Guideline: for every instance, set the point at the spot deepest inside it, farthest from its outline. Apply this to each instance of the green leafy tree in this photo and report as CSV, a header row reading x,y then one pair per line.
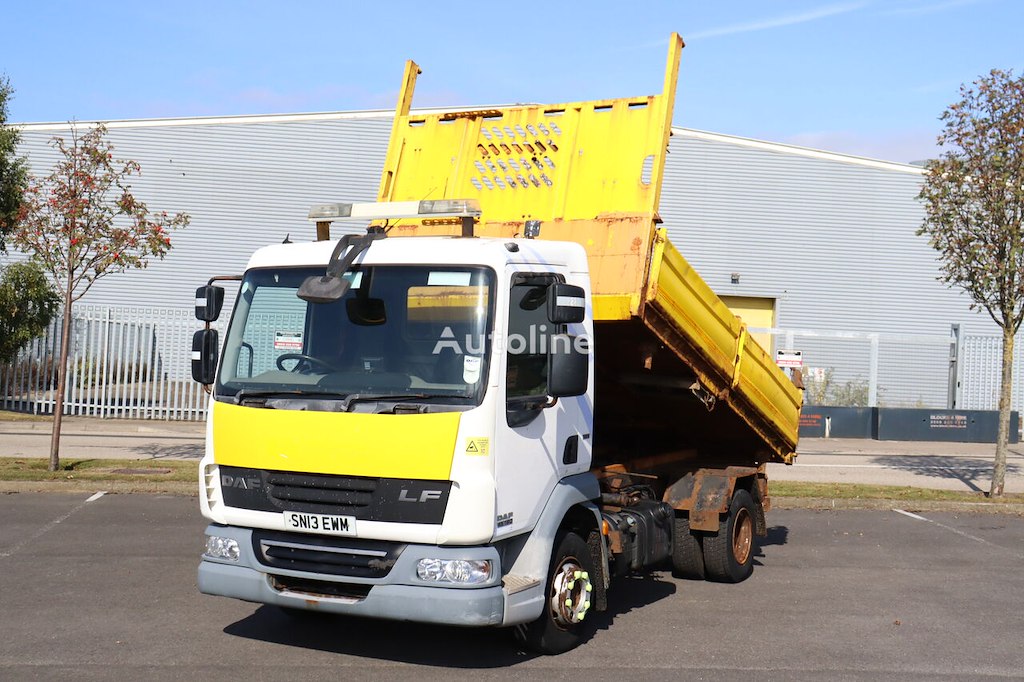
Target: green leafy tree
x,y
974,215
27,306
81,223
27,301
12,168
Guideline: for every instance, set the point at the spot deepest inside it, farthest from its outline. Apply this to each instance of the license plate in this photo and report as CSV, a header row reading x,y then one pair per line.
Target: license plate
x,y
320,523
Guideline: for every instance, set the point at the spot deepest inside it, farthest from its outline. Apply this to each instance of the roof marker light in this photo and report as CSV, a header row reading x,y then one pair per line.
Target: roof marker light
x,y
394,210
321,212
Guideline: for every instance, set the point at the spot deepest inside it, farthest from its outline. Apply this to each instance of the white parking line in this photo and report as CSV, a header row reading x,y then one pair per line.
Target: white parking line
x,y
97,496
913,516
958,532
48,527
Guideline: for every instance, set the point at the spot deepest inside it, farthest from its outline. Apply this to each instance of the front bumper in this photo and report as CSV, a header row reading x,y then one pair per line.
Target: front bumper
x,y
400,595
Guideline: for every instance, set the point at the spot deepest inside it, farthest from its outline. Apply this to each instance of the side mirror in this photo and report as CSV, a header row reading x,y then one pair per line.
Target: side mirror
x,y
209,301
566,303
323,288
205,343
568,366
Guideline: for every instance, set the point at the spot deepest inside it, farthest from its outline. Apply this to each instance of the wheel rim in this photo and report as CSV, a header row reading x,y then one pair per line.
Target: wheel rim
x,y
742,536
570,593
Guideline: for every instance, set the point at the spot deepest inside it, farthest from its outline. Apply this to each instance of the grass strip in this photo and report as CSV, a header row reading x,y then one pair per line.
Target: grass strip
x,y
858,491
100,470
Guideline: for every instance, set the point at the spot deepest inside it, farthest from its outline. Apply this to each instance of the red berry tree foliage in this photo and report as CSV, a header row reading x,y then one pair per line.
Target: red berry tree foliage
x,y
81,223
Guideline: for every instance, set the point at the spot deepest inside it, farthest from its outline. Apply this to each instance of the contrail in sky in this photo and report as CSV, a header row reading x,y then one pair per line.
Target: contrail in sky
x,y
778,22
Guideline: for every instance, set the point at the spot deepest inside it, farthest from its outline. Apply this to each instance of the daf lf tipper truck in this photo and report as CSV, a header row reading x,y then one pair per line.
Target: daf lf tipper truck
x,y
509,390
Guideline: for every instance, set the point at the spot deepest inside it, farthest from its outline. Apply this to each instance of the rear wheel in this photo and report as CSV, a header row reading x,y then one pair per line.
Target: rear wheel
x,y
570,589
687,554
729,553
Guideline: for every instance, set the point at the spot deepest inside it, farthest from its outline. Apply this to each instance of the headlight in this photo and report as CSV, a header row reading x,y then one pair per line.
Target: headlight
x,y
221,548
464,571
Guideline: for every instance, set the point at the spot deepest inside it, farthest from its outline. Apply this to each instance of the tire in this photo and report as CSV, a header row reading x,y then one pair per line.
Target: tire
x,y
563,626
729,553
687,553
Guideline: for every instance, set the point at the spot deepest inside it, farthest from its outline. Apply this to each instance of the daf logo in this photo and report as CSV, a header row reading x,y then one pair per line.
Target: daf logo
x,y
243,482
425,496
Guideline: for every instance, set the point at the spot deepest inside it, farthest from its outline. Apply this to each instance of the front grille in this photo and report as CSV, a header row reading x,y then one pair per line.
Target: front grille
x,y
352,558
397,500
343,495
319,588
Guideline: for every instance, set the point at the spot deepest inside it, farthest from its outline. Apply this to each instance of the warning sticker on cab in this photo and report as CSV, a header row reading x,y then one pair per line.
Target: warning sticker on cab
x,y
288,341
478,446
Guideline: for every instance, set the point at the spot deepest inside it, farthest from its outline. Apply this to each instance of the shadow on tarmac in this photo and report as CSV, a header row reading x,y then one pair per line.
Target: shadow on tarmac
x,y
157,451
777,535
964,469
421,644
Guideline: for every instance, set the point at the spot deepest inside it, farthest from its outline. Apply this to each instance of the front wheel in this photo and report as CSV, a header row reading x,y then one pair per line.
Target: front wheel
x,y
729,553
570,588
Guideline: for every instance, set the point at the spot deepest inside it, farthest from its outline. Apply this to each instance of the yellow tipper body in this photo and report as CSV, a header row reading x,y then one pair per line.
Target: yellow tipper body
x,y
591,173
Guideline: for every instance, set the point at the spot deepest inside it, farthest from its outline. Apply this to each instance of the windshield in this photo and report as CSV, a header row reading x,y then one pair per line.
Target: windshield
x,y
401,333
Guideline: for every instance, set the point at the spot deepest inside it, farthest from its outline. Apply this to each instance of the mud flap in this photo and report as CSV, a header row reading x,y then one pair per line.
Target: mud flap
x,y
594,542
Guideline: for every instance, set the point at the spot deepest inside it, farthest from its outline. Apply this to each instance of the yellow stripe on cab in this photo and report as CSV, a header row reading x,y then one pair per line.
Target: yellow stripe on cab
x,y
418,446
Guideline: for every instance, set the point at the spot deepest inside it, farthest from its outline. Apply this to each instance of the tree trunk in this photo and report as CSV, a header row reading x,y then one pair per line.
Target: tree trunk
x,y
62,378
1005,396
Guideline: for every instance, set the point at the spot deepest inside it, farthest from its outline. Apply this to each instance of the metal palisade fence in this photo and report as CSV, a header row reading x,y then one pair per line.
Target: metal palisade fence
x,y
935,371
136,363
980,371
123,363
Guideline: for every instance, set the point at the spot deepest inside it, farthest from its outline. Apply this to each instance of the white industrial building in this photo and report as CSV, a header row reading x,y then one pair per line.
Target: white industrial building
x,y
817,246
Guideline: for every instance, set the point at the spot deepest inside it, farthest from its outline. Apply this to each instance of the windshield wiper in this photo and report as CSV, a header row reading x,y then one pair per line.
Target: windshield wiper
x,y
245,394
354,398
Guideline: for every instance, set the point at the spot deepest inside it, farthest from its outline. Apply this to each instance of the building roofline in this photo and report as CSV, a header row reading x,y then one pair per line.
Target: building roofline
x,y
239,118
795,150
691,133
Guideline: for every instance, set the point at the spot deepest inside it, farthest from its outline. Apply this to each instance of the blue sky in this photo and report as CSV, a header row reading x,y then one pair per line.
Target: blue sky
x,y
866,77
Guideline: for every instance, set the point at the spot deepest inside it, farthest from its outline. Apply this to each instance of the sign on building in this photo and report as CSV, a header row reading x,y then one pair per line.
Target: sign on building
x,y
789,359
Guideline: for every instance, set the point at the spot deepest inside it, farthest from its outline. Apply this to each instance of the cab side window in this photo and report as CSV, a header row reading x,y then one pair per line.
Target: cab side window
x,y
528,341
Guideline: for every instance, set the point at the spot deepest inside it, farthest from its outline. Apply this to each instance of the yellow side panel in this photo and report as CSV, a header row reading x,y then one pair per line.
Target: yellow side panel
x,y
608,308
690,318
419,446
755,312
520,162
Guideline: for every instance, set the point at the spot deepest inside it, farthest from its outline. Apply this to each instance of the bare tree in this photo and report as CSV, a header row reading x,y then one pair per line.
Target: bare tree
x,y
82,223
974,215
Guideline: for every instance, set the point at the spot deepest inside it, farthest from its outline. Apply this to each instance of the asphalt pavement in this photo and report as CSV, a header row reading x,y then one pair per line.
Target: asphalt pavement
x,y
103,587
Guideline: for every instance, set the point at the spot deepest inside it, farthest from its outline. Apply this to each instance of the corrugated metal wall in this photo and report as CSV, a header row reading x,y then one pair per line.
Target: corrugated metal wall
x,y
833,241
244,184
